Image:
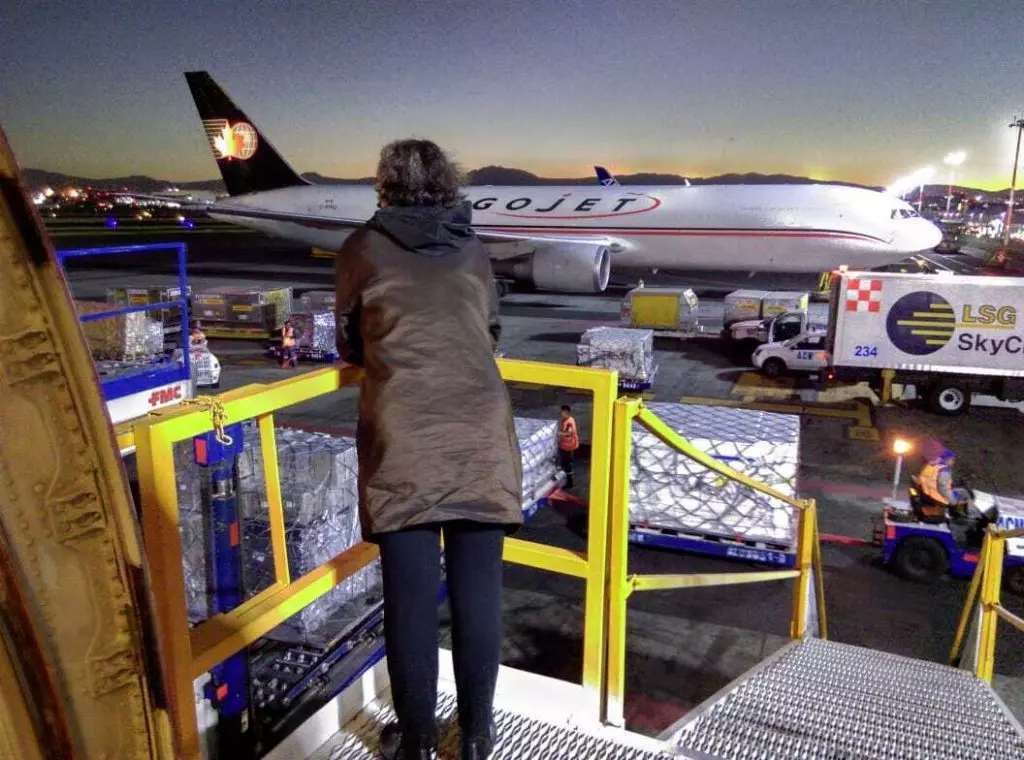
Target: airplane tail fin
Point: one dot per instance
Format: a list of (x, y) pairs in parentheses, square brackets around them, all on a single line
[(605, 177), (246, 159)]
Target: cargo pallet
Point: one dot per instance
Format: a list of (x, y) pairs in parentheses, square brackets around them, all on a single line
[(713, 546)]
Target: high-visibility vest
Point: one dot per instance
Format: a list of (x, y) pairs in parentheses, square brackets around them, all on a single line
[(569, 440), (287, 337), (929, 478)]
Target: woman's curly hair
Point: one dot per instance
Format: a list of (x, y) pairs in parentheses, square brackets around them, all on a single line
[(417, 173)]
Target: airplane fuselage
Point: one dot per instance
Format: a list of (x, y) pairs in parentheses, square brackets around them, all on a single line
[(766, 228)]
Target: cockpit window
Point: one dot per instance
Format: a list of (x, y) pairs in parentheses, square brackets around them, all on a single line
[(903, 213)]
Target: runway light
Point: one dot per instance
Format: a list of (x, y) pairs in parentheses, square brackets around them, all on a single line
[(901, 447)]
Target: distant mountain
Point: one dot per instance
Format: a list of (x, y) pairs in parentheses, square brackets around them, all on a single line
[(488, 175)]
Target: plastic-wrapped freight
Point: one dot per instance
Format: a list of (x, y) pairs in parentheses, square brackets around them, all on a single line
[(321, 515), (123, 337), (314, 330), (669, 490), (319, 496), (631, 352), (538, 444)]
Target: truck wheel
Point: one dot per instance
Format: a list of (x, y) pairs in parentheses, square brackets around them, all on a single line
[(774, 367), (1013, 580), (950, 398), (921, 560)]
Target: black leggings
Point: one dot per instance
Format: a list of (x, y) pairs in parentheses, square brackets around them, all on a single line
[(410, 562)]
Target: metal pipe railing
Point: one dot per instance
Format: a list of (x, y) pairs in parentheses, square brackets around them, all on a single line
[(622, 585), (191, 652)]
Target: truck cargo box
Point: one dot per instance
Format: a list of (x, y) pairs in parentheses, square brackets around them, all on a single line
[(660, 308), (744, 305), (928, 323)]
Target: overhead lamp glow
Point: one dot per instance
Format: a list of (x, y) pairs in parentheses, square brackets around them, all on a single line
[(955, 158), (901, 447)]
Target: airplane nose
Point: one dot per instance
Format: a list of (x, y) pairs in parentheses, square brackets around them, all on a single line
[(919, 236)]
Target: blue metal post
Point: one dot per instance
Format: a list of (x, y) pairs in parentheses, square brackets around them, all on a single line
[(228, 688)]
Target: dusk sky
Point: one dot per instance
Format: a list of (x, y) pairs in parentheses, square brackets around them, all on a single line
[(858, 90)]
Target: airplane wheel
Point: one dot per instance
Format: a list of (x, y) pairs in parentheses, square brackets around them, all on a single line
[(774, 367), (921, 560)]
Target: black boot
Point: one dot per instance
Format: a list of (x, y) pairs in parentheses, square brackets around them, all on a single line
[(394, 745), (479, 747)]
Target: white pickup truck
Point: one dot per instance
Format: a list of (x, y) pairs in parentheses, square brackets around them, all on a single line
[(804, 353)]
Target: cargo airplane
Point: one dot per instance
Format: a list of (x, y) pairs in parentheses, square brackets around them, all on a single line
[(569, 238)]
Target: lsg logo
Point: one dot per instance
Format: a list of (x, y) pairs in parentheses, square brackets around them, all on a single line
[(165, 396)]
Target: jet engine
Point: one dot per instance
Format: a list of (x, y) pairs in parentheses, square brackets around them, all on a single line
[(565, 267)]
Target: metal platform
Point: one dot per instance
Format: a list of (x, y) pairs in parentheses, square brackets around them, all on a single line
[(819, 700), (534, 717)]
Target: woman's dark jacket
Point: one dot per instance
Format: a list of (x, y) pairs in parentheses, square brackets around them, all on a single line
[(417, 308)]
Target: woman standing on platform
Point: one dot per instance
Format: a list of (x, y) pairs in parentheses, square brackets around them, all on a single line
[(417, 308)]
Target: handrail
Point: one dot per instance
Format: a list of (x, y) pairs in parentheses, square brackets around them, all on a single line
[(975, 635), (807, 573), (191, 652)]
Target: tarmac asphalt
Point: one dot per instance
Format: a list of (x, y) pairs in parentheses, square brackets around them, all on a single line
[(683, 645)]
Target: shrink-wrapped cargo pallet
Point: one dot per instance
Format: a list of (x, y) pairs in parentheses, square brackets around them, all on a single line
[(319, 496), (318, 475), (125, 337), (538, 444), (631, 352), (315, 331), (670, 490)]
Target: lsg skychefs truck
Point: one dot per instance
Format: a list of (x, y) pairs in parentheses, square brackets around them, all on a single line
[(947, 337)]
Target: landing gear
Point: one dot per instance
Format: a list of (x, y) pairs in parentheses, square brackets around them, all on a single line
[(503, 287)]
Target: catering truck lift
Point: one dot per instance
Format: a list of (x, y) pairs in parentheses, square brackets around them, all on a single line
[(97, 658), (944, 338)]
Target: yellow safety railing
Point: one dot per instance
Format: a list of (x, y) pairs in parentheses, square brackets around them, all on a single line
[(192, 652), (807, 570), (983, 607)]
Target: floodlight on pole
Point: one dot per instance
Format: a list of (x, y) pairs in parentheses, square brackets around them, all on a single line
[(1018, 124), (953, 160), (900, 447), (921, 177)]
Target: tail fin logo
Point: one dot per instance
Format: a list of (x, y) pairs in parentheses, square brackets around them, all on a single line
[(238, 141)]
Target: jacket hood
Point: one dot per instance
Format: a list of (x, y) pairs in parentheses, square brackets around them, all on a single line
[(427, 230)]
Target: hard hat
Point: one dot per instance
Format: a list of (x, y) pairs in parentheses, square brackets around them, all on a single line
[(947, 454)]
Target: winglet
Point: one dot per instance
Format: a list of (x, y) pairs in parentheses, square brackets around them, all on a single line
[(246, 159)]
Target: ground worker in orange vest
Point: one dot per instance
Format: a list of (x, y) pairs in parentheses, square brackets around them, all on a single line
[(568, 442), (198, 337), (936, 480), (289, 354)]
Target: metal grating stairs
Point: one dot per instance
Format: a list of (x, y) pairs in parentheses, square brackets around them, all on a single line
[(819, 700), (518, 737)]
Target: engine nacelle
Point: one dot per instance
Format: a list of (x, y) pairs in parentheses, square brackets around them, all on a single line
[(566, 267)]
